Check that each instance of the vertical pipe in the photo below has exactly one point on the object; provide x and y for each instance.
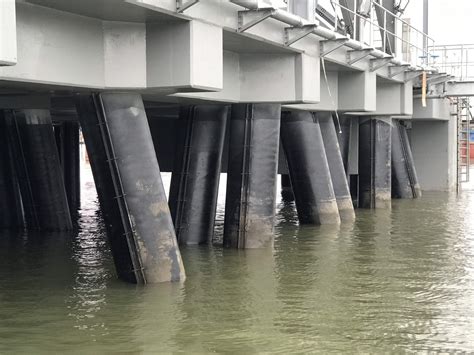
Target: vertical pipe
(356, 22)
(410, 162)
(133, 169)
(251, 176)
(195, 180)
(41, 182)
(336, 167)
(309, 168)
(425, 28)
(375, 170)
(385, 47)
(11, 214)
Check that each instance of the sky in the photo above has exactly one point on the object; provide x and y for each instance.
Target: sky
(450, 21)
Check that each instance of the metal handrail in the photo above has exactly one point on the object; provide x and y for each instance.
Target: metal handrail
(360, 20)
(294, 20)
(455, 59)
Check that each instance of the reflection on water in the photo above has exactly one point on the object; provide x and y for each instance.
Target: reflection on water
(399, 280)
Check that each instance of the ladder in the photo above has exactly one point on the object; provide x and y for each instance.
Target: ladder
(464, 126)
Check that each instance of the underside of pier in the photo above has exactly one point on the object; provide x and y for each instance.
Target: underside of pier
(199, 89)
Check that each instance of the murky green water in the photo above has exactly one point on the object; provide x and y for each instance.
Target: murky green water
(395, 281)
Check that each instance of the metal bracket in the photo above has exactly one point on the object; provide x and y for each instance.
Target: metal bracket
(440, 79)
(330, 46)
(433, 77)
(395, 70)
(353, 56)
(293, 34)
(250, 18)
(378, 63)
(182, 5)
(412, 74)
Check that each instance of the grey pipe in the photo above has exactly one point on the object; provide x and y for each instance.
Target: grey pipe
(297, 21)
(440, 96)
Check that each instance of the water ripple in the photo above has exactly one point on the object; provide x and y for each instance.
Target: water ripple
(393, 281)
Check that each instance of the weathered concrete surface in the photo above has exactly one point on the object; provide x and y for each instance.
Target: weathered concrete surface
(375, 170)
(404, 178)
(38, 167)
(151, 247)
(309, 169)
(251, 177)
(336, 167)
(146, 199)
(11, 214)
(434, 150)
(195, 181)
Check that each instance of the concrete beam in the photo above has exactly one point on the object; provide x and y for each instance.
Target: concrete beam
(436, 109)
(25, 102)
(60, 49)
(394, 99)
(328, 95)
(124, 54)
(250, 77)
(8, 51)
(57, 48)
(296, 82)
(460, 88)
(147, 46)
(357, 91)
(184, 55)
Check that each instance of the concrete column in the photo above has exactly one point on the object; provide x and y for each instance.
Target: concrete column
(344, 139)
(67, 140)
(433, 143)
(87, 107)
(130, 189)
(251, 176)
(404, 179)
(11, 214)
(39, 170)
(348, 139)
(309, 168)
(336, 167)
(375, 169)
(195, 180)
(286, 189)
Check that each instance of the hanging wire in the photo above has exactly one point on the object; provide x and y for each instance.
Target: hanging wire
(330, 95)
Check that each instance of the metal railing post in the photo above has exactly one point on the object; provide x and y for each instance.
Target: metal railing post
(356, 20)
(384, 42)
